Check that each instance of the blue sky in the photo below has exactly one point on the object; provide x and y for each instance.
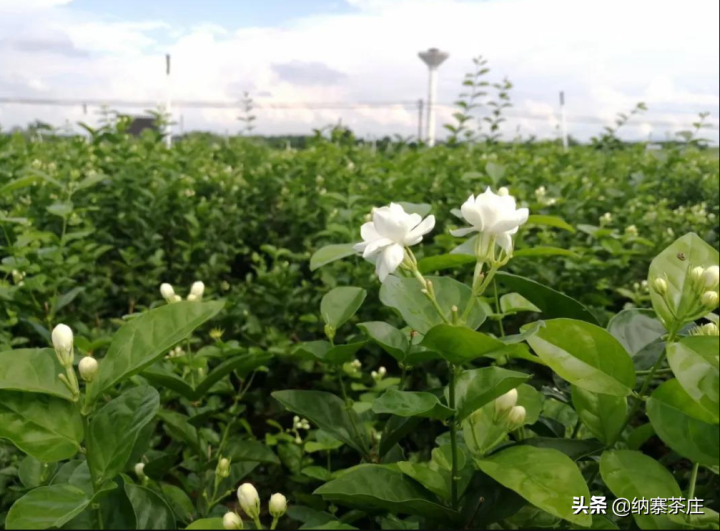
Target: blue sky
(606, 56)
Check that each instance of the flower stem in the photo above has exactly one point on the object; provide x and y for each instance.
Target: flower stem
(693, 481)
(645, 388)
(453, 440)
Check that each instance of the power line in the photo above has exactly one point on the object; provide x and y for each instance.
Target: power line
(407, 105)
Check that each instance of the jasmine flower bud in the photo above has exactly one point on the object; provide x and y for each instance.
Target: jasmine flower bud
(140, 470)
(62, 339)
(223, 467)
(709, 299)
(660, 286)
(504, 403)
(168, 293)
(232, 521)
(88, 368)
(516, 417)
(711, 277)
(249, 500)
(277, 505)
(197, 290)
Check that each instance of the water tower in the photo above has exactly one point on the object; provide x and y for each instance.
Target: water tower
(433, 58)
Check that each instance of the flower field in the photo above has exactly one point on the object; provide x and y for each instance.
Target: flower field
(231, 334)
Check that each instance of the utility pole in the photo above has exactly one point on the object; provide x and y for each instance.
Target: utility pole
(168, 103)
(420, 105)
(433, 58)
(563, 121)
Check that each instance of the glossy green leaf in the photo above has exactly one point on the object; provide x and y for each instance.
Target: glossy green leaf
(34, 473)
(636, 329)
(390, 339)
(673, 414)
(114, 428)
(694, 361)
(541, 250)
(405, 296)
(532, 400)
(32, 371)
(330, 253)
(603, 415)
(411, 404)
(329, 413)
(586, 356)
(340, 354)
(431, 264)
(545, 477)
(633, 475)
(47, 507)
(377, 487)
(142, 341)
(207, 523)
(550, 221)
(238, 451)
(243, 364)
(151, 511)
(430, 478)
(340, 304)
(553, 304)
(575, 449)
(460, 345)
(514, 302)
(674, 265)
(477, 387)
(46, 427)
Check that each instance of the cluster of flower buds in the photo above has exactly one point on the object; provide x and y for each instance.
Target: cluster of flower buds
(606, 219)
(506, 409)
(18, 277)
(705, 283)
(177, 352)
(197, 290)
(379, 374)
(301, 424)
(249, 500)
(223, 467)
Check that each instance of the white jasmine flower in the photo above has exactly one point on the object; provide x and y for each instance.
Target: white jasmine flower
(495, 216)
(167, 292)
(386, 236)
(232, 521)
(504, 403)
(88, 368)
(249, 500)
(277, 505)
(62, 339)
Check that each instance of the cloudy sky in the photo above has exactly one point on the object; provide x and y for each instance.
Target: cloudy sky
(606, 56)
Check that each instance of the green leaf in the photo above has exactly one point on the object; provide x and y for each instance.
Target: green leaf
(632, 475)
(674, 265)
(207, 523)
(541, 250)
(477, 387)
(411, 404)
(151, 511)
(575, 449)
(34, 473)
(550, 221)
(142, 341)
(377, 487)
(32, 371)
(340, 304)
(603, 415)
(113, 430)
(390, 339)
(243, 364)
(405, 296)
(460, 345)
(65, 299)
(329, 413)
(636, 329)
(63, 209)
(514, 302)
(340, 354)
(586, 356)
(432, 264)
(674, 415)
(329, 254)
(18, 184)
(532, 400)
(255, 451)
(694, 361)
(430, 478)
(48, 428)
(545, 477)
(47, 507)
(552, 303)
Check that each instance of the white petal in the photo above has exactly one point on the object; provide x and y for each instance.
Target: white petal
(360, 247)
(368, 231)
(504, 240)
(471, 213)
(462, 232)
(391, 222)
(376, 246)
(390, 259)
(416, 234)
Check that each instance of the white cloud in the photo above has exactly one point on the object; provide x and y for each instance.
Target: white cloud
(607, 56)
